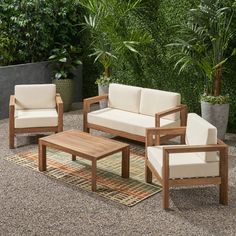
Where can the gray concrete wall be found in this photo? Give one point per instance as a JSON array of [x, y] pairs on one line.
[[31, 73]]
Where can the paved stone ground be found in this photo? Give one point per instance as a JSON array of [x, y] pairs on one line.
[[34, 204]]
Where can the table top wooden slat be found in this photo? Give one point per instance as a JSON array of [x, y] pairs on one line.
[[83, 143]]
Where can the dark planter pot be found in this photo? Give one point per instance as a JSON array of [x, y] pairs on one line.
[[66, 89], [103, 89], [217, 115]]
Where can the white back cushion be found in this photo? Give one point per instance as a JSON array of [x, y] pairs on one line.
[[201, 132], [35, 96], [153, 101], [124, 97]]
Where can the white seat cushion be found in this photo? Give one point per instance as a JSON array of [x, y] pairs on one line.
[[36, 118], [182, 165], [35, 96], [124, 97], [126, 121], [201, 132], [153, 101]]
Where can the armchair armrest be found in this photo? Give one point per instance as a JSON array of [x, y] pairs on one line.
[[153, 134], [220, 146], [89, 101], [12, 109], [12, 101], [59, 107], [11, 120], [59, 102], [183, 114], [194, 148]]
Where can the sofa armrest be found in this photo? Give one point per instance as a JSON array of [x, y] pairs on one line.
[[183, 114], [89, 101], [87, 107], [153, 134], [59, 107]]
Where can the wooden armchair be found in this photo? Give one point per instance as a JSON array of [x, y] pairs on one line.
[[203, 160], [35, 108]]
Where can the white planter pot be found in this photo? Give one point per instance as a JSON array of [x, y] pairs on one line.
[[103, 89], [217, 115]]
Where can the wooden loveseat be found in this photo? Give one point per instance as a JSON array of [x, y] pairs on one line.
[[133, 109]]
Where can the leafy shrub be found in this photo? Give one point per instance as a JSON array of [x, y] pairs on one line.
[[216, 99], [30, 28]]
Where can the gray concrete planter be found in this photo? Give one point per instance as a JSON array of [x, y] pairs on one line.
[[103, 89], [217, 115], [30, 73]]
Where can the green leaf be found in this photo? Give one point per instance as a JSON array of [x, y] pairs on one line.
[[234, 52], [58, 75], [52, 57], [64, 59], [78, 62]]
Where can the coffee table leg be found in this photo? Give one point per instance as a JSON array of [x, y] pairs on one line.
[[94, 175], [125, 162], [42, 157], [73, 157]]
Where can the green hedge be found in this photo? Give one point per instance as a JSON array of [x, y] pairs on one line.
[[30, 29]]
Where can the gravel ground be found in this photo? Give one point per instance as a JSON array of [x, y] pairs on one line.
[[34, 204]]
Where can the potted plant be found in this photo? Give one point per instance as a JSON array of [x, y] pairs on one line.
[[105, 58], [65, 60], [103, 88], [106, 21], [203, 44]]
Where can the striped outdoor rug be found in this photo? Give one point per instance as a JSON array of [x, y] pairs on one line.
[[110, 184]]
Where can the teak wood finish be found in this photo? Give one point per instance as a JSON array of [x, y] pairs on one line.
[[153, 139], [182, 109], [13, 131], [87, 146]]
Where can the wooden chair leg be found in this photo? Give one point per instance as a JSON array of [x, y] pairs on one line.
[[11, 139], [223, 194], [224, 177], [60, 128], [165, 194], [182, 139], [85, 126], [86, 129], [11, 126], [148, 174], [165, 174]]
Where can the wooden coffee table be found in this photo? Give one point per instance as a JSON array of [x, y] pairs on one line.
[[84, 145]]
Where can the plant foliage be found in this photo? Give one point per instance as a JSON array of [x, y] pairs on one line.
[[65, 60], [204, 42], [30, 28], [215, 99], [112, 34]]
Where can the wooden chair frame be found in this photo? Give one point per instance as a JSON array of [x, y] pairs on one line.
[[13, 131], [153, 139], [87, 126]]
